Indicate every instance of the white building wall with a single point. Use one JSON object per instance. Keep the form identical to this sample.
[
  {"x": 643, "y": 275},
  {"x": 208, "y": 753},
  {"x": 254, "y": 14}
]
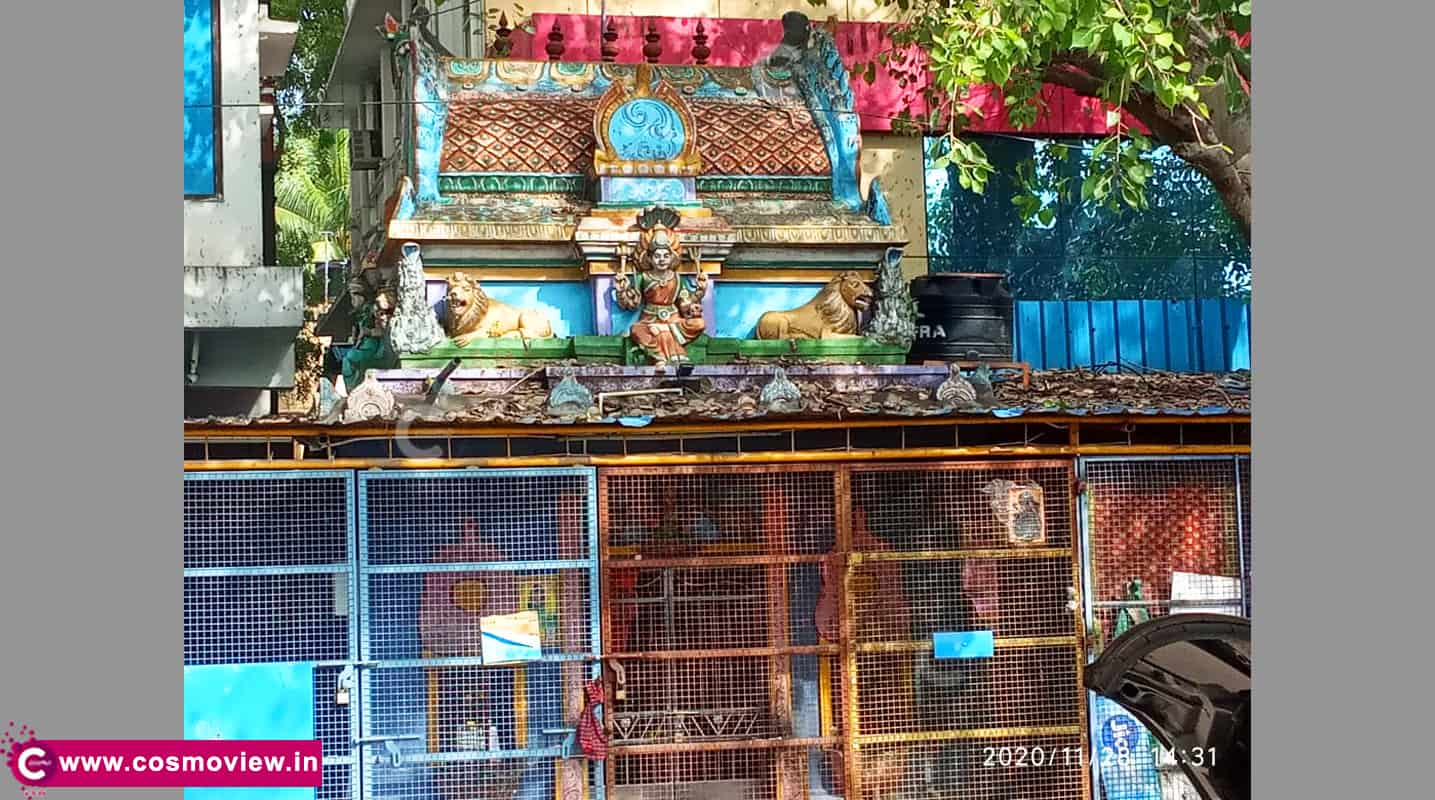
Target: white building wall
[{"x": 228, "y": 232}]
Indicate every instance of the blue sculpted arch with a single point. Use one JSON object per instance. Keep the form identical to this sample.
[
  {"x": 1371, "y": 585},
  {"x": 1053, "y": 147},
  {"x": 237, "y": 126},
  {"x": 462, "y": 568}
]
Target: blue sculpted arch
[{"x": 646, "y": 129}]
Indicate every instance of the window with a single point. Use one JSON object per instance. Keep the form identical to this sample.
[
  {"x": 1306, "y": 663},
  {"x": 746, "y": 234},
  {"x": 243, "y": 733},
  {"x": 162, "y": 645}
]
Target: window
[
  {"x": 1184, "y": 246},
  {"x": 201, "y": 98}
]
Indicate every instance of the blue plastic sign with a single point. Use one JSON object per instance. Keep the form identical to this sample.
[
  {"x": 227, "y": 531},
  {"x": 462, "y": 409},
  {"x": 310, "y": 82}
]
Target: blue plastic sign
[
  {"x": 963, "y": 644},
  {"x": 1126, "y": 757}
]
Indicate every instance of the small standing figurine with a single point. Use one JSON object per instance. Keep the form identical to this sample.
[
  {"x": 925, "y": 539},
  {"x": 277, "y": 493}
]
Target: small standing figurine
[
  {"x": 372, "y": 300},
  {"x": 671, "y": 313}
]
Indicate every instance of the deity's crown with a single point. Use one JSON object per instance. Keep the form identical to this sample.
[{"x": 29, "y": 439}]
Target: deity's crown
[{"x": 659, "y": 229}]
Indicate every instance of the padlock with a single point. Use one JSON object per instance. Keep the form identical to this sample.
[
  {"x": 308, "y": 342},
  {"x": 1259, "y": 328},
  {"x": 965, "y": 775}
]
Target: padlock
[{"x": 341, "y": 697}]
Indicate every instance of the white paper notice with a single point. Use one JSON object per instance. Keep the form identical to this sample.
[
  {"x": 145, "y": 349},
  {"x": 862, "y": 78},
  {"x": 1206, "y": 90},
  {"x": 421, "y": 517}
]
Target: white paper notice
[{"x": 1210, "y": 594}]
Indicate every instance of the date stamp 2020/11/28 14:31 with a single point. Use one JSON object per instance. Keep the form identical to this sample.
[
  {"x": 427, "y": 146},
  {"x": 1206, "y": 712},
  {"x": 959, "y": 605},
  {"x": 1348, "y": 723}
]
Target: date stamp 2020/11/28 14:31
[{"x": 1021, "y": 756}]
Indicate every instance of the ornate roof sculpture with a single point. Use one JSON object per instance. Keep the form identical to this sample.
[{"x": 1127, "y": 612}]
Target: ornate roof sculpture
[
  {"x": 522, "y": 150},
  {"x": 626, "y": 188}
]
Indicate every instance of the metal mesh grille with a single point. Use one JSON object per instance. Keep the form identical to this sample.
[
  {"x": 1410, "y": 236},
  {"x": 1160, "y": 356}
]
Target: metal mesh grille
[
  {"x": 1020, "y": 687},
  {"x": 1164, "y": 537},
  {"x": 267, "y": 572},
  {"x": 1047, "y": 767},
  {"x": 957, "y": 548},
  {"x": 743, "y": 606},
  {"x": 1152, "y": 519},
  {"x": 712, "y": 582},
  {"x": 269, "y": 578},
  {"x": 441, "y": 552},
  {"x": 234, "y": 521}
]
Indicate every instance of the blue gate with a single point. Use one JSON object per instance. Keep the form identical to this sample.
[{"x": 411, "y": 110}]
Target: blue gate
[
  {"x": 456, "y": 569},
  {"x": 269, "y": 583},
  {"x": 351, "y": 609}
]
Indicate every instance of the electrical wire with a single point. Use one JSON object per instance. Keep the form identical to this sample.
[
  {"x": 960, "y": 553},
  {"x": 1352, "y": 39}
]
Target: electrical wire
[{"x": 1033, "y": 138}]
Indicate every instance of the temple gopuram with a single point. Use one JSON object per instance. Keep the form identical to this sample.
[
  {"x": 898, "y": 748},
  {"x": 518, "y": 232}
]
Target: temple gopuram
[{"x": 624, "y": 483}]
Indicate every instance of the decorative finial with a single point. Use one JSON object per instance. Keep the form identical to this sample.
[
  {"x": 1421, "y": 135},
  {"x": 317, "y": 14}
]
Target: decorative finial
[
  {"x": 956, "y": 391},
  {"x": 780, "y": 394},
  {"x": 610, "y": 42},
  {"x": 654, "y": 47},
  {"x": 569, "y": 398},
  {"x": 701, "y": 51},
  {"x": 555, "y": 42},
  {"x": 369, "y": 400},
  {"x": 502, "y": 45}
]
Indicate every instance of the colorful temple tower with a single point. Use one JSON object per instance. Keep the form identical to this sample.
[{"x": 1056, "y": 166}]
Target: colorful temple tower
[{"x": 534, "y": 194}]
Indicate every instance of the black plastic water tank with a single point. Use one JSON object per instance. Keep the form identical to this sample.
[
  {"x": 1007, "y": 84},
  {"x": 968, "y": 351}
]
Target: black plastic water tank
[{"x": 963, "y": 316}]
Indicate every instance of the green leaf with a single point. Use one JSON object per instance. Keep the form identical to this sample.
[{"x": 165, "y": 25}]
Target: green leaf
[
  {"x": 1166, "y": 94},
  {"x": 1244, "y": 9},
  {"x": 1165, "y": 62},
  {"x": 1088, "y": 187},
  {"x": 1047, "y": 216},
  {"x": 998, "y": 71},
  {"x": 1165, "y": 39},
  {"x": 1082, "y": 38},
  {"x": 1122, "y": 34},
  {"x": 1131, "y": 195},
  {"x": 1114, "y": 13}
]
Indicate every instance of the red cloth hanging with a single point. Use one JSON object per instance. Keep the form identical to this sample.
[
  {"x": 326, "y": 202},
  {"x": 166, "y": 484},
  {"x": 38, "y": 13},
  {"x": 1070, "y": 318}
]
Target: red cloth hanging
[{"x": 591, "y": 738}]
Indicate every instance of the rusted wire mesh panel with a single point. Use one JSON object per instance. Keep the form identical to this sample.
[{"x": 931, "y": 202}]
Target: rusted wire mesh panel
[
  {"x": 670, "y": 512},
  {"x": 694, "y": 700},
  {"x": 977, "y": 506},
  {"x": 1047, "y": 767},
  {"x": 1163, "y": 537},
  {"x": 744, "y": 774},
  {"x": 1020, "y": 687},
  {"x": 964, "y": 550},
  {"x": 909, "y": 600},
  {"x": 720, "y": 623},
  {"x": 690, "y": 608}
]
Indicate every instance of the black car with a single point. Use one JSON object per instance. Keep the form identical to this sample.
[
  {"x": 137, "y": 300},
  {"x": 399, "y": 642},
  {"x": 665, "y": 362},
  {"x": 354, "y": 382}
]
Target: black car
[{"x": 1187, "y": 678}]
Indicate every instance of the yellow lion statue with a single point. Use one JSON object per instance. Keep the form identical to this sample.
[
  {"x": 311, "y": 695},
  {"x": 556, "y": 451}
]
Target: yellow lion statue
[
  {"x": 832, "y": 314},
  {"x": 471, "y": 314}
]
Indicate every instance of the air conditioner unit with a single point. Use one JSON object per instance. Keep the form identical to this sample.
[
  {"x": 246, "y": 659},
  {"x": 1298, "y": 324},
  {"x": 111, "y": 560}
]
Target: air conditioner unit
[{"x": 365, "y": 150}]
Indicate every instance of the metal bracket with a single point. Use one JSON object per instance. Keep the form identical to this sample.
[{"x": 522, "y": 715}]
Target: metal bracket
[
  {"x": 391, "y": 746},
  {"x": 570, "y": 740}
]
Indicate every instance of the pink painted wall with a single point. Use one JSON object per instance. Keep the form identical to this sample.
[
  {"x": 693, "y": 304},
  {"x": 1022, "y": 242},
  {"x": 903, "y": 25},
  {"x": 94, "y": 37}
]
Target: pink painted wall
[{"x": 739, "y": 42}]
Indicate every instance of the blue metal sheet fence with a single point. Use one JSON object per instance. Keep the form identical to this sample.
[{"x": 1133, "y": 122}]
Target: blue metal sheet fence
[
  {"x": 441, "y": 554},
  {"x": 1175, "y": 335},
  {"x": 268, "y": 581}
]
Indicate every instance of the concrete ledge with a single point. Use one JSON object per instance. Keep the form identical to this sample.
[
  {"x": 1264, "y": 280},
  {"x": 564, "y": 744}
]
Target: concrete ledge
[{"x": 243, "y": 297}]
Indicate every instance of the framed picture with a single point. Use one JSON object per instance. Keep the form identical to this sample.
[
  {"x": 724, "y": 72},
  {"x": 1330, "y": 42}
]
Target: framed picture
[{"x": 1025, "y": 515}]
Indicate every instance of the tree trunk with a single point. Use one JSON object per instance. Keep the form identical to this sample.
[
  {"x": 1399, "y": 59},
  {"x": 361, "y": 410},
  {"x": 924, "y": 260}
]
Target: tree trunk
[{"x": 1197, "y": 141}]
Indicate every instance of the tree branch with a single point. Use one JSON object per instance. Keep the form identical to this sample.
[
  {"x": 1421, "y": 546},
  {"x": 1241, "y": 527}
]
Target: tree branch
[{"x": 1189, "y": 137}]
